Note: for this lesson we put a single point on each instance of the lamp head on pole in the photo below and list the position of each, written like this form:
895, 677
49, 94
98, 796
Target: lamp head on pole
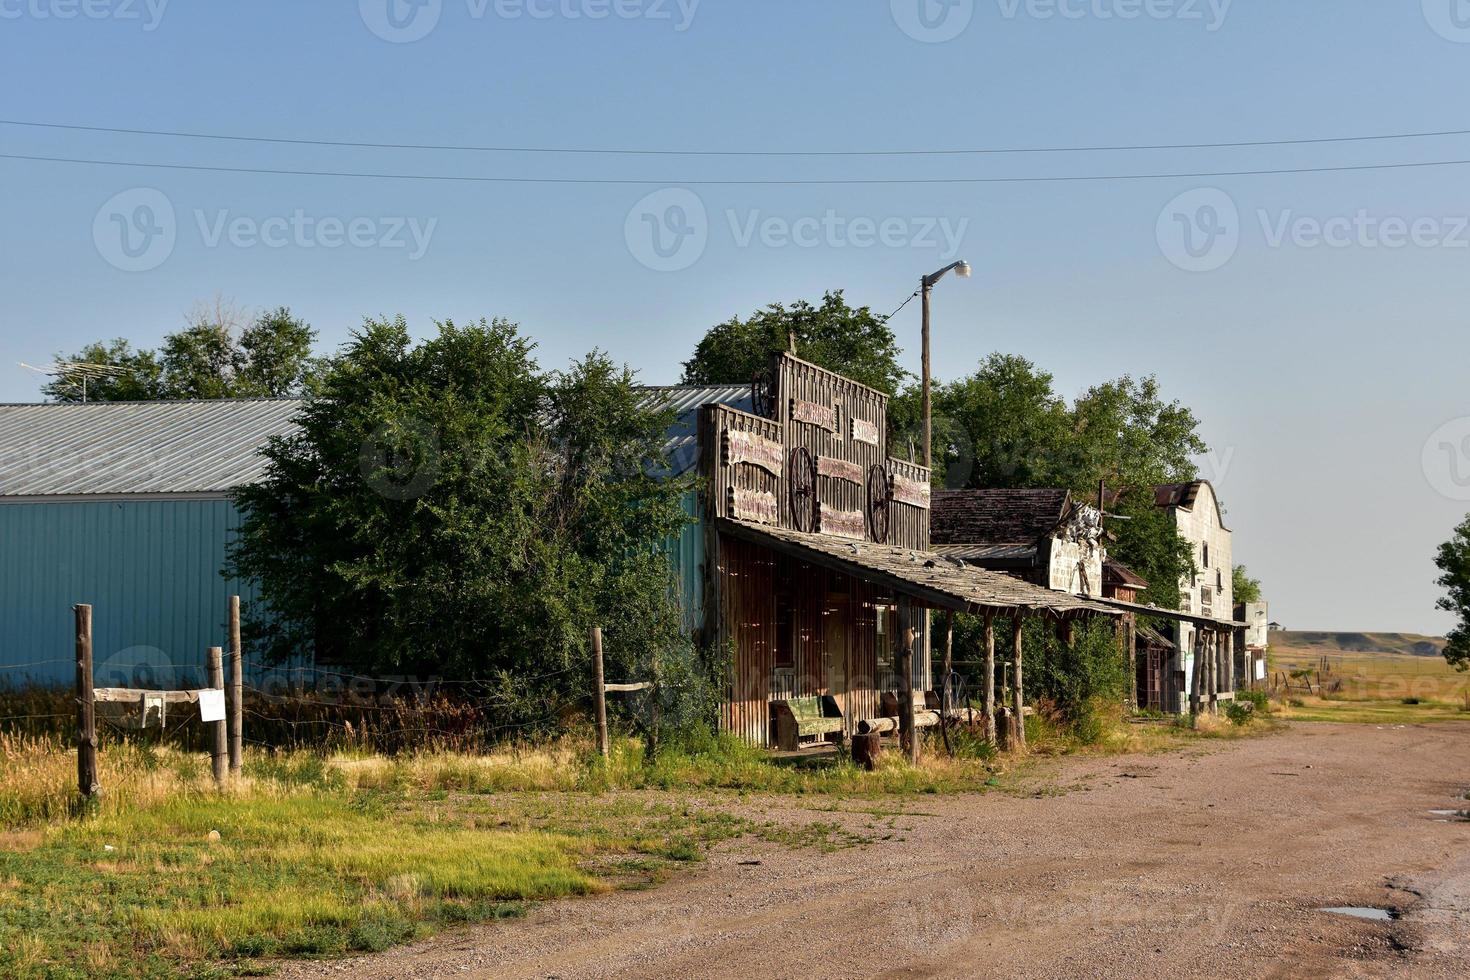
960, 268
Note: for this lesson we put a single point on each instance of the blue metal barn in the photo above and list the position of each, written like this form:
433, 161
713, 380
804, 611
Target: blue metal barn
124, 506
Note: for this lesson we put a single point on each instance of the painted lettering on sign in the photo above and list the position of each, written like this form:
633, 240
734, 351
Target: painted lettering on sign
864, 431
813, 414
754, 505
843, 523
750, 447
915, 493
839, 469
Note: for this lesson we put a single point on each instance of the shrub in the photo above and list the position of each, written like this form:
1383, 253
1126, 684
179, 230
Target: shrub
1240, 712
1259, 701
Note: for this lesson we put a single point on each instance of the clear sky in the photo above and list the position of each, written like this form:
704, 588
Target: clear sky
1314, 321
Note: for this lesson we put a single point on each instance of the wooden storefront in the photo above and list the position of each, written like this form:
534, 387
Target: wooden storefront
813, 538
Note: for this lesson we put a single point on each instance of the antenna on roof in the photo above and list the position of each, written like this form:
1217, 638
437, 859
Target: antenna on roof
83, 370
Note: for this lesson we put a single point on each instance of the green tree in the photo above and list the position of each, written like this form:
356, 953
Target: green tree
853, 341
448, 508
200, 361
1243, 587
128, 376
1148, 541
1126, 434
1453, 561
216, 355
1002, 427
276, 355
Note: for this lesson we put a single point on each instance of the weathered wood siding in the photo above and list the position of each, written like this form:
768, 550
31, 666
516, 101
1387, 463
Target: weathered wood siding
833, 622
909, 523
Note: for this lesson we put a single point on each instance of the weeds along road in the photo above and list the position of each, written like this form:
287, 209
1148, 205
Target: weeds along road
1208, 862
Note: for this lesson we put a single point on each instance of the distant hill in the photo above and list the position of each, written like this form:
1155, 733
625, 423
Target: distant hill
1406, 644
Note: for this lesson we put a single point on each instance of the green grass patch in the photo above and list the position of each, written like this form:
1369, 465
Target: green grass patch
148, 892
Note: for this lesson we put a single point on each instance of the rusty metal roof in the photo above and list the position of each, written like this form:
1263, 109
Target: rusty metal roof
933, 579
116, 448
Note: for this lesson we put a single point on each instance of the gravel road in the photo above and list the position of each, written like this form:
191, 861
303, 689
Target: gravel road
1208, 862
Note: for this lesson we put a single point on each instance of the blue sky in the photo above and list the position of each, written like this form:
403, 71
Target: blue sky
1331, 376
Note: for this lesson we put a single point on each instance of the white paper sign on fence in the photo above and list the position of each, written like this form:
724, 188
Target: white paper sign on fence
1260, 670
212, 705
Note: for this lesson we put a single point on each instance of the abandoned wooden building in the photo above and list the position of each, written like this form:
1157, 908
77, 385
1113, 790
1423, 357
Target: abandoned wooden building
812, 556
1043, 536
1203, 667
1151, 652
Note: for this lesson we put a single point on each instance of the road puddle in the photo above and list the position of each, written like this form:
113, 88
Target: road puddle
1363, 912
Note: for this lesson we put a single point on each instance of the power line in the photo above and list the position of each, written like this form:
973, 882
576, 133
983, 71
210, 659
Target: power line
779, 182
628, 151
902, 305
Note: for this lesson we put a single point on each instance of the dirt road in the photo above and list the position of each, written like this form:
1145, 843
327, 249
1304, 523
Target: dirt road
1211, 862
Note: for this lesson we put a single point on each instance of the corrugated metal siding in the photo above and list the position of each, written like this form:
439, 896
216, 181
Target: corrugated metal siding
687, 554
150, 570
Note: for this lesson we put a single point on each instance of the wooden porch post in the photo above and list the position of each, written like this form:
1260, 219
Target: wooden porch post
944, 703
908, 738
1019, 742
948, 657
1196, 673
1214, 672
1130, 629
989, 685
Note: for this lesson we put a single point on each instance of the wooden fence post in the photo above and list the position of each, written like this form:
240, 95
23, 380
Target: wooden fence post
86, 707
237, 690
599, 691
220, 753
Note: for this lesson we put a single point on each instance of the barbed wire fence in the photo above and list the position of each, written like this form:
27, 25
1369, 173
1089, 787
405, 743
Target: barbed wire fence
286, 707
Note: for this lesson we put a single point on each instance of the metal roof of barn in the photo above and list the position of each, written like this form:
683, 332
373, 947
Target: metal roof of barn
127, 448
682, 443
210, 447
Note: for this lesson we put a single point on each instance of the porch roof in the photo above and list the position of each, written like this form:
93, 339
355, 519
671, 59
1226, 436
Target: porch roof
932, 579
1204, 622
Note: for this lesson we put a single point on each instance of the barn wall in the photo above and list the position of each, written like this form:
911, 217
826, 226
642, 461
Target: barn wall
150, 569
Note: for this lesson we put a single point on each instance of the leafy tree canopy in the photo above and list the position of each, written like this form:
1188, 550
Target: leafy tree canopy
1005, 426
854, 342
449, 508
1453, 562
220, 353
1243, 587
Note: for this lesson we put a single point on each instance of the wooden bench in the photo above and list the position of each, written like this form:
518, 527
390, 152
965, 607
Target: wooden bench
798, 718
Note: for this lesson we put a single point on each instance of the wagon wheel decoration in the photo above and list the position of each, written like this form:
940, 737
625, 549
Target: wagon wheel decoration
763, 395
880, 502
803, 490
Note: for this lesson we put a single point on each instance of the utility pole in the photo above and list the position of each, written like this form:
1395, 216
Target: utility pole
926, 286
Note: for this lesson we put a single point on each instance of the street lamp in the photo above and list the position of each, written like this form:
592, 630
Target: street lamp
961, 269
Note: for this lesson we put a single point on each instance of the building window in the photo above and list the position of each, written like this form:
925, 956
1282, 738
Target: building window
1207, 555
1220, 580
